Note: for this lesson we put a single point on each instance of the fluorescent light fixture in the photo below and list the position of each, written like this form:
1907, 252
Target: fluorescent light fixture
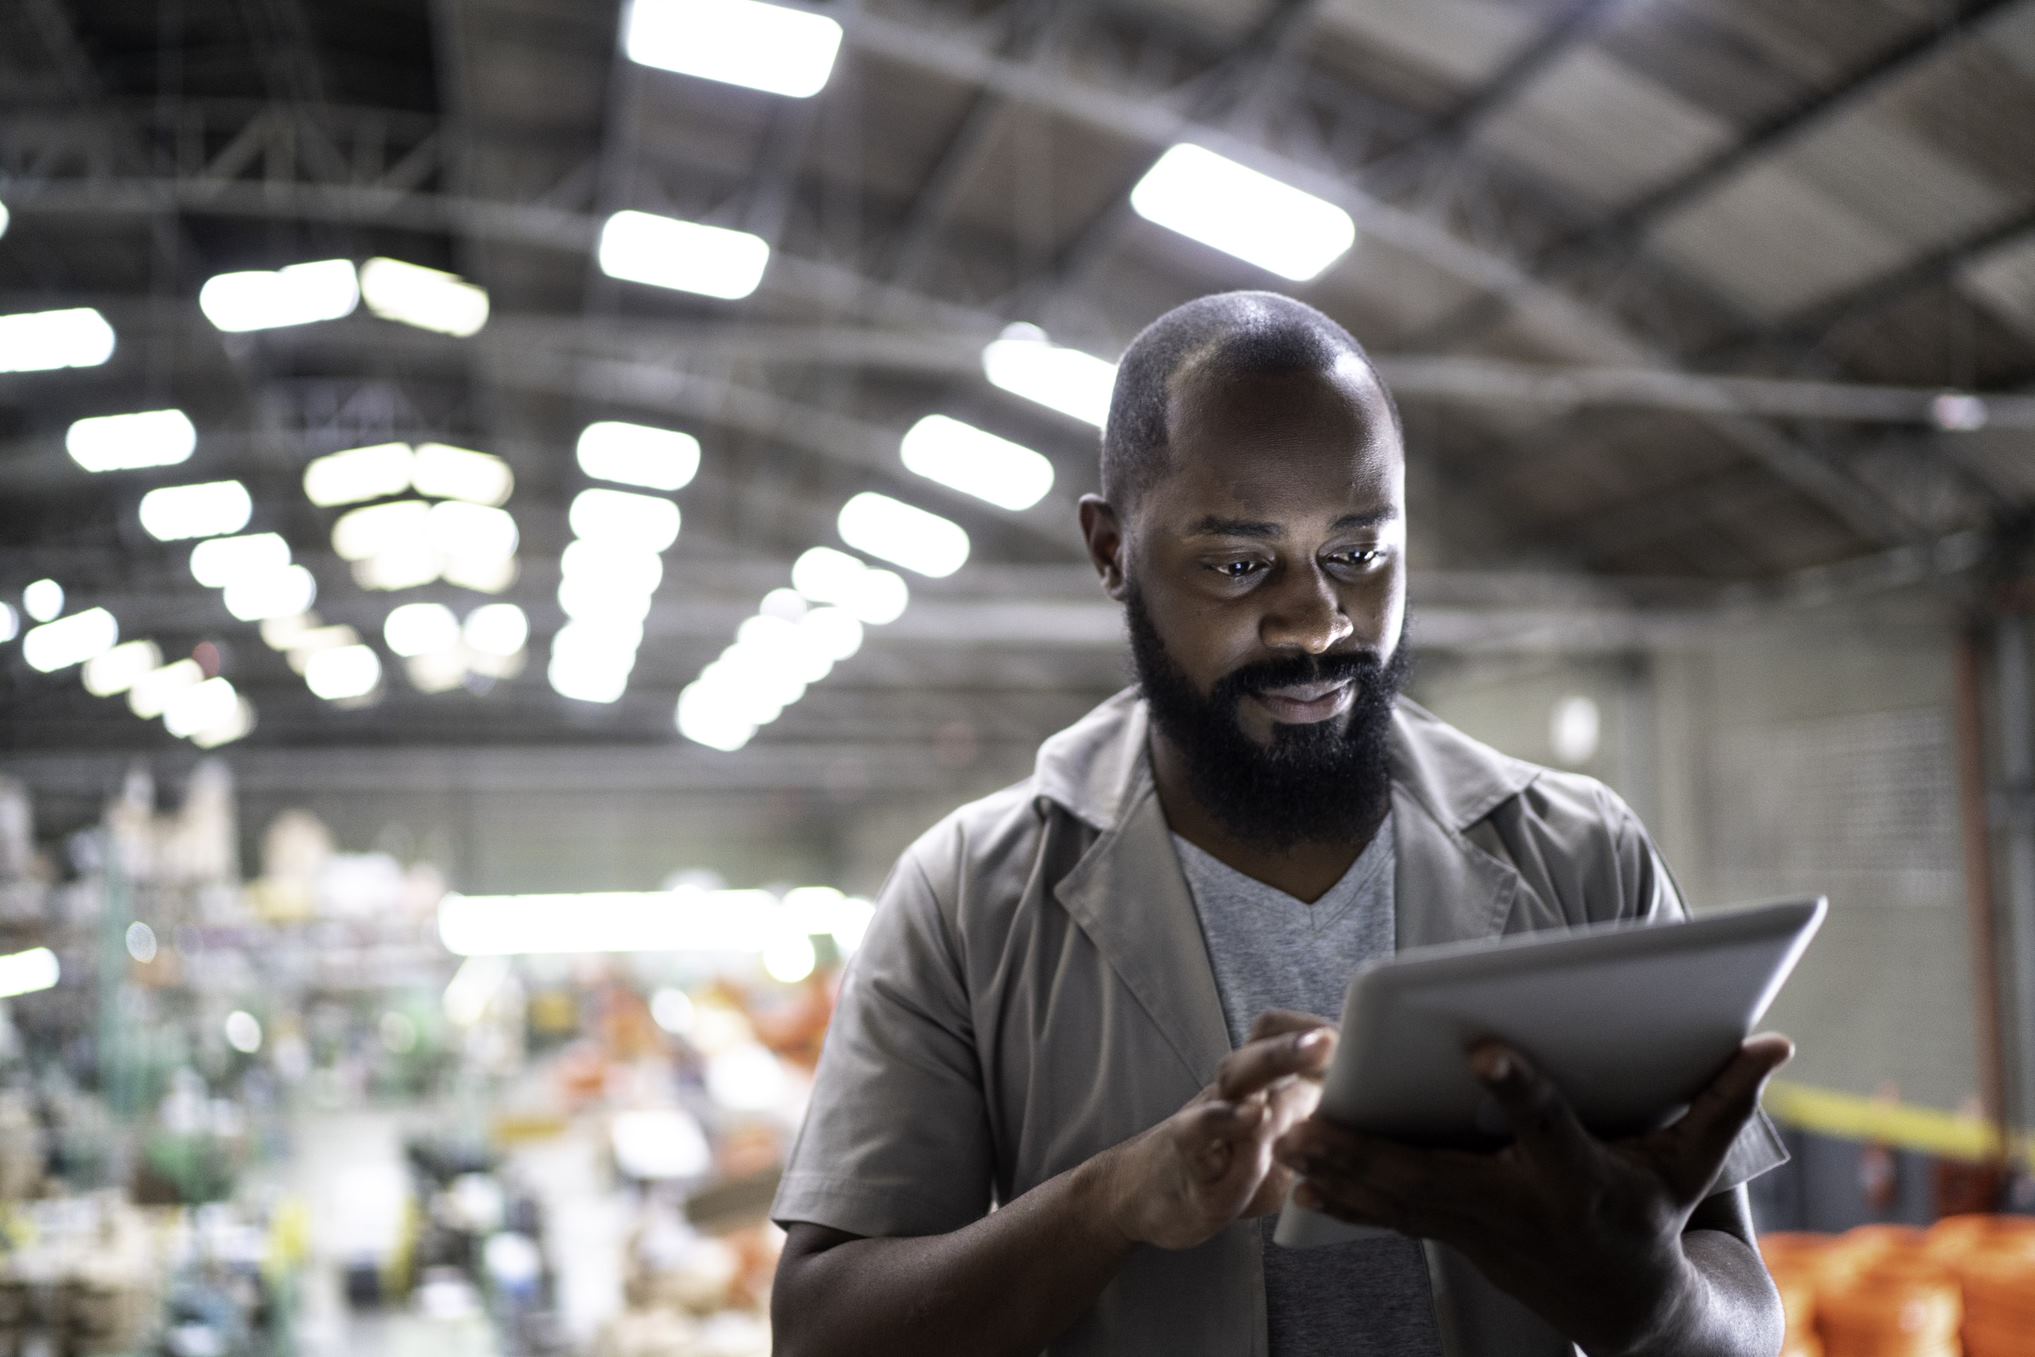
271, 593
707, 716
588, 670
445, 472
202, 706
738, 42
498, 629
209, 509
70, 640
461, 531
640, 247
833, 632
408, 565
4, 219
129, 442
354, 475
473, 986
42, 341
10, 622
43, 600
788, 604
118, 669
1235, 209
976, 462
370, 531
903, 534
28, 972
263, 299
585, 599
420, 629
875, 596
235, 726
771, 644
1025, 364
317, 641
152, 693
219, 561
482, 574
741, 921
625, 519
426, 298
438, 672
637, 454
343, 672
623, 570
280, 633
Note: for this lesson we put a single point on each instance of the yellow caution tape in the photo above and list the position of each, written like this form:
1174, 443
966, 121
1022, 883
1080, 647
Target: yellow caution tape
1848, 1116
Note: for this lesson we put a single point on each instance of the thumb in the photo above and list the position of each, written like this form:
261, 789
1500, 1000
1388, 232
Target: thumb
1701, 1138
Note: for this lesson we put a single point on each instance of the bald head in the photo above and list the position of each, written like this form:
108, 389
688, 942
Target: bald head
1206, 343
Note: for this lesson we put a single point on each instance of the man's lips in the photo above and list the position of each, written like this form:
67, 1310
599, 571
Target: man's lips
1302, 702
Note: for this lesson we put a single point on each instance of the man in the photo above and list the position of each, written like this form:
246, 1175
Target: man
1072, 1070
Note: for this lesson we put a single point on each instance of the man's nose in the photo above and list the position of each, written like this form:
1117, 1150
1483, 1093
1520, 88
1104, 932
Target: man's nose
1305, 614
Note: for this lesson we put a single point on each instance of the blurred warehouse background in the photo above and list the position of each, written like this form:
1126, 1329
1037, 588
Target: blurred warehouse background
621, 457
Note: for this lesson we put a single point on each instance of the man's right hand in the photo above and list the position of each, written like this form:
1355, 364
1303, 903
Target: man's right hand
1209, 1164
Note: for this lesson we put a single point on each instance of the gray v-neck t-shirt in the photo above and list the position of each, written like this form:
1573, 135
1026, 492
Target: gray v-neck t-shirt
1270, 950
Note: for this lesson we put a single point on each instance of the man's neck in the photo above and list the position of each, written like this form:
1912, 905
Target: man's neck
1303, 870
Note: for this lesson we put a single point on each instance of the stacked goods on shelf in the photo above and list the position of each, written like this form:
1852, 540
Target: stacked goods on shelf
83, 1274
1965, 1287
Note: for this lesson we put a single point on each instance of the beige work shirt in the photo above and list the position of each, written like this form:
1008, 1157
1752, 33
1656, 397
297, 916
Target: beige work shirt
1034, 989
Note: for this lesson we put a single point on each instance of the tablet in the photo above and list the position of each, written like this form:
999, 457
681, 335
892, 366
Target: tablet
1629, 1020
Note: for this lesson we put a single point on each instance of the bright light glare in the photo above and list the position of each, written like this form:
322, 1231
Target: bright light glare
670, 1009
152, 693
710, 716
976, 462
426, 298
833, 632
622, 518
637, 454
261, 299
43, 600
209, 509
243, 1032
318, 639
688, 256
695, 920
605, 567
236, 725
1076, 384
141, 943
446, 472
1235, 209
370, 531
127, 442
498, 629
420, 629
588, 600
588, 672
738, 42
219, 561
28, 972
903, 534
41, 341
405, 566
874, 596
790, 958
10, 623
788, 604
483, 574
120, 668
343, 672
203, 706
462, 531
70, 640
271, 593
352, 475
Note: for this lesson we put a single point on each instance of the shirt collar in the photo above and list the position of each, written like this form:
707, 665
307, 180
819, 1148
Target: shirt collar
1093, 767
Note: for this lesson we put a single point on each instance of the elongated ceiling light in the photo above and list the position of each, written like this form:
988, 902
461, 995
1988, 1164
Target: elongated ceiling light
903, 534
128, 442
426, 298
976, 462
264, 299
70, 640
354, 475
28, 972
209, 509
873, 595
219, 561
638, 454
1025, 363
445, 472
737, 42
42, 341
640, 247
1233, 208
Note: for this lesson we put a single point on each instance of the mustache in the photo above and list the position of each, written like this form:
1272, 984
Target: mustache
1359, 668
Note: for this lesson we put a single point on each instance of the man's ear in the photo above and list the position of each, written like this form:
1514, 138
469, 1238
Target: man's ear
1102, 531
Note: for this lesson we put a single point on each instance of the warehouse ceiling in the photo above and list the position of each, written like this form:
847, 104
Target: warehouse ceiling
1683, 300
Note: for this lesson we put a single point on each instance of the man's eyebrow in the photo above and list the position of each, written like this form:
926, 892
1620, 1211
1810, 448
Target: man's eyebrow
1216, 526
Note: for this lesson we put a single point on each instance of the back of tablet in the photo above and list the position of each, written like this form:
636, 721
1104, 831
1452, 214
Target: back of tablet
1630, 1022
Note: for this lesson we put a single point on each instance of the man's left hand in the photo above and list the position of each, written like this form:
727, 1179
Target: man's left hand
1586, 1232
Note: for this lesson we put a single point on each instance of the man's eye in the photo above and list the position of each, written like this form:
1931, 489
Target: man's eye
1359, 558
1236, 570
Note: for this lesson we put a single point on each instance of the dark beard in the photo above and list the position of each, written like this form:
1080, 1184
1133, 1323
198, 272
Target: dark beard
1314, 783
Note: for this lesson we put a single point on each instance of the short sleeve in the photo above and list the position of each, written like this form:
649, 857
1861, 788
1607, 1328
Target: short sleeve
896, 1136
1653, 895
